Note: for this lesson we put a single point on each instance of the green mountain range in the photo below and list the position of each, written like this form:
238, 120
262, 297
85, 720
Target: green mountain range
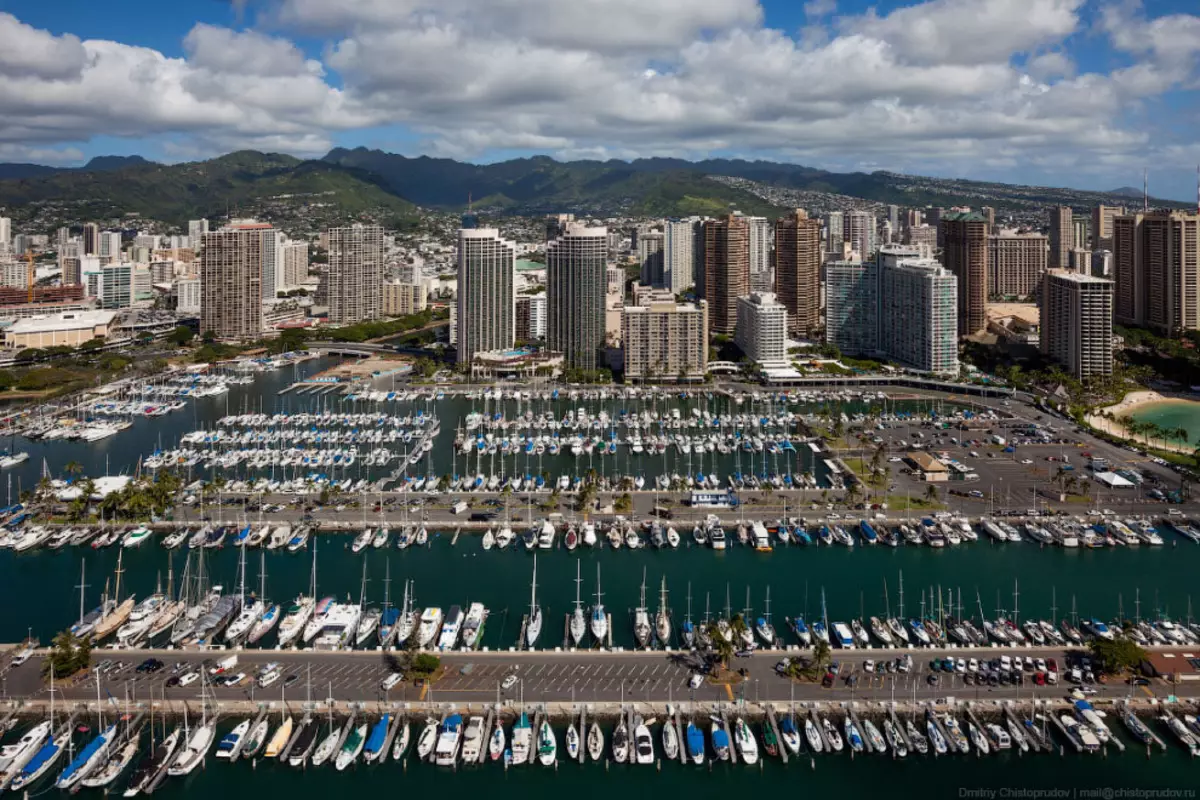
362, 183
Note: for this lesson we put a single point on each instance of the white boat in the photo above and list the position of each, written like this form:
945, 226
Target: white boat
533, 624
449, 741
595, 742
451, 627
578, 622
430, 626
427, 739
362, 540
599, 617
572, 742
746, 744
137, 536
522, 740
547, 745
231, 743
643, 744
194, 749
14, 757
497, 741
472, 743
327, 746
472, 627
352, 748
400, 745
670, 740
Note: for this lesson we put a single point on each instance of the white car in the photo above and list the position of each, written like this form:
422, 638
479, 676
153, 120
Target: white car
509, 682
973, 665
869, 665
1040, 664
895, 459
1006, 663
390, 681
696, 681
1026, 460
960, 666
189, 678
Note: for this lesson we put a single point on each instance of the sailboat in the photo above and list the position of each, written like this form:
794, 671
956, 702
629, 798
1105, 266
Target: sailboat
687, 631
114, 619
197, 744
578, 624
409, 618
151, 767
390, 616
270, 615
662, 620
641, 617
44, 758
599, 620
300, 613
766, 631
368, 619
92, 755
533, 627
250, 612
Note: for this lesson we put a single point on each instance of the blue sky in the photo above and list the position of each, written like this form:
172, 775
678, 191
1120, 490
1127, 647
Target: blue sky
1058, 92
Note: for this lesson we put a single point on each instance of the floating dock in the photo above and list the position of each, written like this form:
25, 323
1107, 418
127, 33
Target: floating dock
780, 747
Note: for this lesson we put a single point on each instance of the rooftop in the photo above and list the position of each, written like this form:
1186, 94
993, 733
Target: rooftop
70, 320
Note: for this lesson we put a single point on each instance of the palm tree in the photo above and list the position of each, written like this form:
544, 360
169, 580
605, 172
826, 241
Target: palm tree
931, 493
73, 468
722, 647
821, 656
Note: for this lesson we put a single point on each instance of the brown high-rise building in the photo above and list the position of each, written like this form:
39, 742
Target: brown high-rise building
798, 271
1102, 225
231, 279
965, 253
1156, 264
91, 239
354, 273
726, 270
1062, 237
1016, 262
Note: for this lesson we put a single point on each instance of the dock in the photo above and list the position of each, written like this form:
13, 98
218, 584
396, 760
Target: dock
454, 538
488, 725
1062, 730
237, 752
538, 717
583, 733
677, 721
816, 721
983, 731
1153, 736
937, 723
901, 734
1035, 744
291, 742
781, 748
391, 734
349, 726
9, 722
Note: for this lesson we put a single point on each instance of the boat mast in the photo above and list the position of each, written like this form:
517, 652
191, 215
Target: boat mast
901, 609
578, 585
82, 587
533, 589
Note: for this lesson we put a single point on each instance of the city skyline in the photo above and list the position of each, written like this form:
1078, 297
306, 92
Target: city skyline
1063, 93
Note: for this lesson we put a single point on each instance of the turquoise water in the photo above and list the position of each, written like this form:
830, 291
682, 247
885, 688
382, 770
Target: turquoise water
1174, 414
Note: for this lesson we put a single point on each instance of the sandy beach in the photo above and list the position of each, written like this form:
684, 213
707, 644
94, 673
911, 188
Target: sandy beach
1128, 405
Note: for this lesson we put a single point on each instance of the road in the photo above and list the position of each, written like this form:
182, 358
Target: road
601, 677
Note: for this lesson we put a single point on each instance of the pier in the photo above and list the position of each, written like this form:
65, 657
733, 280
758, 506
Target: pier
1066, 734
583, 709
783, 751
237, 751
1035, 746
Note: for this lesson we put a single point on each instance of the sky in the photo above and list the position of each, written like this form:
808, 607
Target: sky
1081, 93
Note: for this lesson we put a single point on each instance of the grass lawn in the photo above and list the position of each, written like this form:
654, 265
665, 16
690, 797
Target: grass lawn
898, 502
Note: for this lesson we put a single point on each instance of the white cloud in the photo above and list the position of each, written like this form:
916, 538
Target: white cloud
950, 86
40, 155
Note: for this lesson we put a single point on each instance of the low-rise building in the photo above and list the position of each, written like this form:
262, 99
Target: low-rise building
401, 299
69, 329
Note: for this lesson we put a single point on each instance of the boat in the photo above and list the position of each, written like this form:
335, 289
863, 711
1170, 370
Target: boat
1081, 733
747, 746
152, 765
790, 734
117, 763
498, 742
231, 743
87, 759
328, 745
643, 744
373, 749
533, 623
853, 735
547, 747
279, 739
195, 746
763, 626
472, 627
670, 741
137, 536
303, 742
451, 628
894, 740
352, 748
620, 741
662, 619
813, 736
832, 736
720, 739
522, 740
430, 626
472, 743
595, 742
400, 745
598, 622
256, 738
14, 757
916, 739
577, 625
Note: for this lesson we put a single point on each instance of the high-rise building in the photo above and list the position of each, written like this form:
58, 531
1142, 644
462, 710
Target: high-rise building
852, 306
798, 271
196, 230
187, 293
1062, 237
354, 273
965, 253
486, 275
989, 214
933, 218
273, 266
576, 264
1156, 264
72, 269
760, 253
5, 234
726, 270
231, 278
650, 256
893, 217
835, 231
1076, 322
1102, 264
762, 328
1081, 232
401, 299
556, 225
531, 317
923, 236
91, 239
118, 291
860, 233
665, 340
1102, 225
1016, 262
110, 246
295, 263
679, 254
918, 305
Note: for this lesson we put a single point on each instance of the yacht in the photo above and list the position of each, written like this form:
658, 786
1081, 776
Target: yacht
472, 628
451, 627
430, 626
472, 744
449, 741
352, 748
599, 617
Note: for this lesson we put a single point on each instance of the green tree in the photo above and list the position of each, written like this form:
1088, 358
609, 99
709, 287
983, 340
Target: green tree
1117, 655
68, 654
723, 648
181, 336
425, 664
